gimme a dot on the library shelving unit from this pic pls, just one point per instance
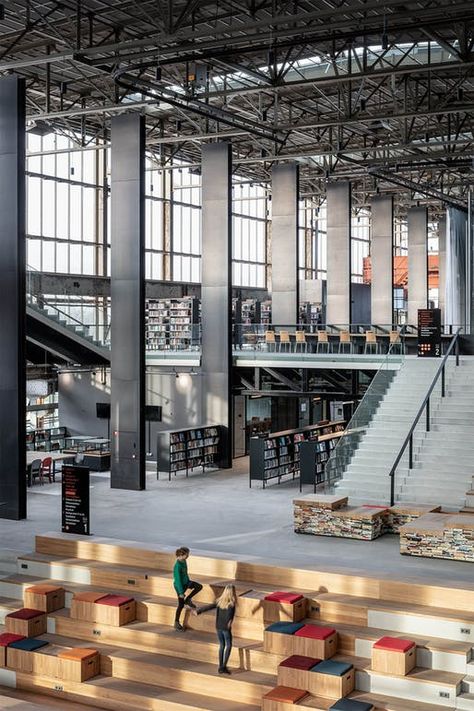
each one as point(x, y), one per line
point(310, 314)
point(185, 450)
point(264, 312)
point(46, 440)
point(277, 454)
point(313, 457)
point(171, 324)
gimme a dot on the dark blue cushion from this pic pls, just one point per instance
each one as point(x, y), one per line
point(285, 627)
point(29, 644)
point(351, 705)
point(330, 667)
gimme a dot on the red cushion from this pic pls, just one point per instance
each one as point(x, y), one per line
point(114, 600)
point(284, 597)
point(297, 661)
point(25, 613)
point(7, 638)
point(285, 694)
point(315, 632)
point(394, 644)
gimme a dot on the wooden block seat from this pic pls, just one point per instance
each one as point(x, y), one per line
point(284, 606)
point(293, 670)
point(7, 638)
point(285, 695)
point(79, 664)
point(394, 655)
point(108, 609)
point(311, 640)
point(116, 610)
point(47, 598)
point(19, 654)
point(26, 622)
point(351, 705)
point(278, 637)
point(331, 679)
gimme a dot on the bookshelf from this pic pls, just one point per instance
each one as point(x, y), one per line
point(310, 314)
point(264, 312)
point(313, 458)
point(171, 324)
point(185, 450)
point(277, 454)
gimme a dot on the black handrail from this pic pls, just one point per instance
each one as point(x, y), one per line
point(425, 404)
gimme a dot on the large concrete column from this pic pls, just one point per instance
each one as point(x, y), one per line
point(417, 218)
point(285, 282)
point(381, 250)
point(128, 302)
point(442, 267)
point(12, 302)
point(338, 310)
point(216, 290)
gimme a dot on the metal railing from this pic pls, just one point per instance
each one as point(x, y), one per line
point(425, 407)
point(358, 424)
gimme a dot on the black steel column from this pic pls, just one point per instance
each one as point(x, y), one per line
point(12, 303)
point(216, 293)
point(285, 277)
point(128, 302)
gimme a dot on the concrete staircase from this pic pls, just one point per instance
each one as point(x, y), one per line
point(444, 457)
point(366, 477)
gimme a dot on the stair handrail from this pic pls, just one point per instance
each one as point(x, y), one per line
point(424, 405)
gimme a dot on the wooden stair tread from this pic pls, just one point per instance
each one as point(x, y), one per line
point(396, 607)
point(18, 700)
point(375, 633)
point(421, 674)
point(161, 659)
point(135, 695)
point(165, 630)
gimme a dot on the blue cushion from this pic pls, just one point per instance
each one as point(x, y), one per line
point(285, 627)
point(351, 705)
point(29, 644)
point(330, 667)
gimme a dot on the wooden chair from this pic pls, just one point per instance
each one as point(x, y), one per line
point(395, 340)
point(345, 341)
point(48, 469)
point(371, 343)
point(285, 340)
point(36, 471)
point(300, 341)
point(323, 341)
point(270, 341)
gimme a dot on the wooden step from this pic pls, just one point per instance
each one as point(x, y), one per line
point(410, 619)
point(18, 700)
point(143, 636)
point(120, 695)
point(455, 594)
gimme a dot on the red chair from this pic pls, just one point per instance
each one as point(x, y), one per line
point(47, 469)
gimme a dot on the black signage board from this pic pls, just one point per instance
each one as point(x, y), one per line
point(75, 500)
point(429, 333)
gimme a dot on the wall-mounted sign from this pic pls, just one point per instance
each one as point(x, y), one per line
point(75, 500)
point(429, 333)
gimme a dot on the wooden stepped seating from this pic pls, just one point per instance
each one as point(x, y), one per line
point(157, 669)
point(456, 595)
point(118, 695)
point(380, 702)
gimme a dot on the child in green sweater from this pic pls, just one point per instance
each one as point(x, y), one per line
point(182, 584)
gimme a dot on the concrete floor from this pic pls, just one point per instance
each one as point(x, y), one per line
point(218, 512)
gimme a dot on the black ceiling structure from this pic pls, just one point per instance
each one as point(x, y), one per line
point(378, 92)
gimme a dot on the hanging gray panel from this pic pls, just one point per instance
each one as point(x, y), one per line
point(381, 251)
point(285, 282)
point(338, 310)
point(417, 220)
